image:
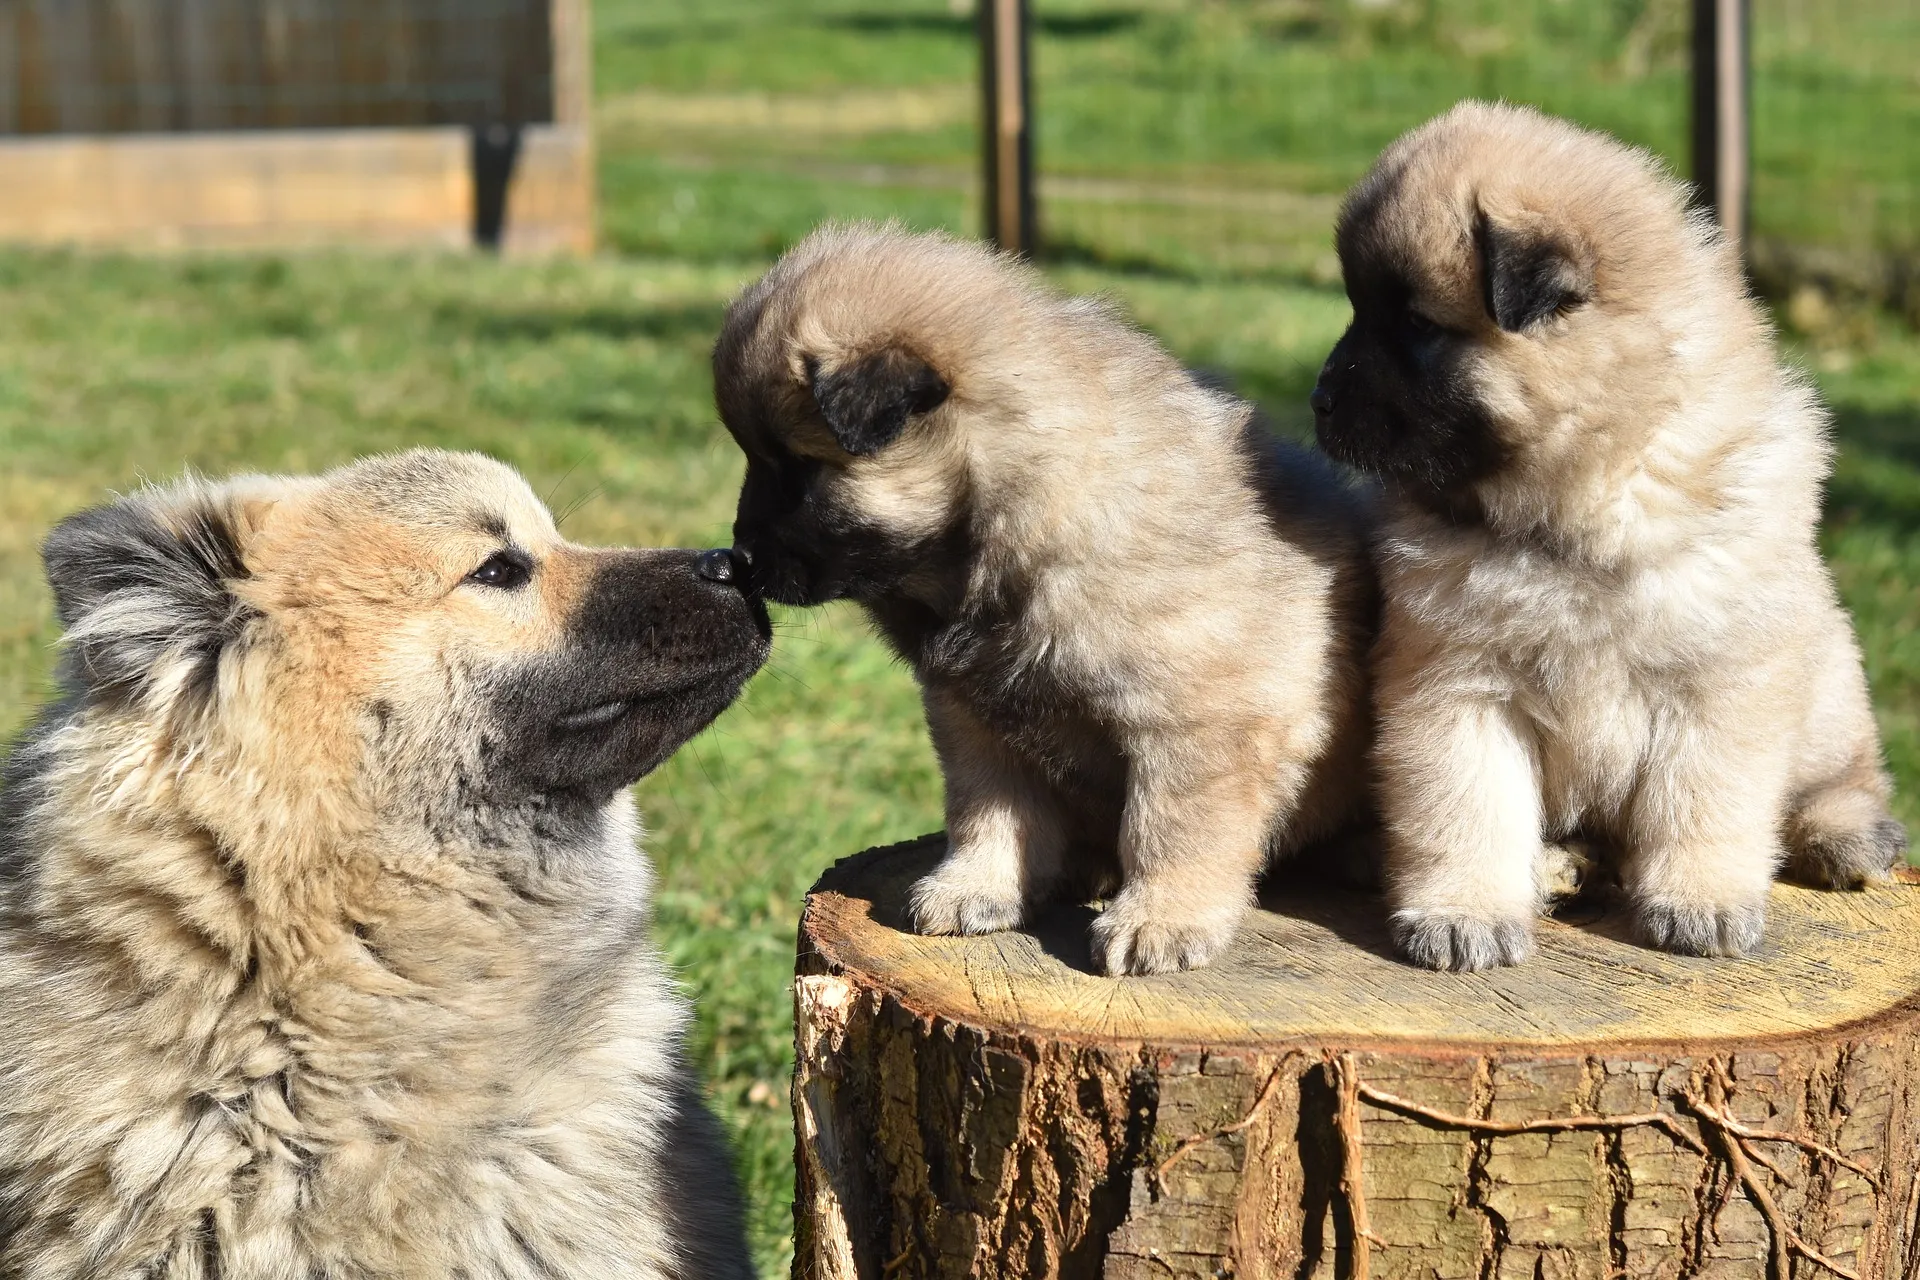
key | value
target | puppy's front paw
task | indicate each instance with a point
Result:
(1136, 934)
(1701, 928)
(951, 900)
(1459, 941)
(1850, 859)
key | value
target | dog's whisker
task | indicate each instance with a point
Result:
(574, 506)
(554, 488)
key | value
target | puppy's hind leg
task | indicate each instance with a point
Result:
(1838, 831)
(1840, 835)
(700, 1200)
(1006, 833)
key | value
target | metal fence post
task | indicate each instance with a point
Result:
(1720, 112)
(1007, 125)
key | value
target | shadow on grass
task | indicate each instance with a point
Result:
(1066, 26)
(652, 35)
(1877, 481)
(677, 322)
(1061, 250)
(1891, 433)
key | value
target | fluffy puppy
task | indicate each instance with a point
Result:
(323, 931)
(1605, 613)
(1138, 621)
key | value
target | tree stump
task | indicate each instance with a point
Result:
(1310, 1107)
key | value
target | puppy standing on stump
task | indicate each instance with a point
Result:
(1137, 619)
(323, 930)
(1606, 615)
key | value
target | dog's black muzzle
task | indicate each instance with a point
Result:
(770, 571)
(660, 644)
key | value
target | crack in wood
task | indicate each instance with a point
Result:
(1913, 1227)
(1730, 1135)
(1253, 1113)
(1346, 1118)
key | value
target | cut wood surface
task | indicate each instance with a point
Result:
(1309, 1106)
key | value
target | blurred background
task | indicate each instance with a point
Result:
(315, 174)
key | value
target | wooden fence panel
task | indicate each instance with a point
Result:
(141, 66)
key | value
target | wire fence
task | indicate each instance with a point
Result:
(124, 66)
(1836, 147)
(1214, 137)
(1206, 137)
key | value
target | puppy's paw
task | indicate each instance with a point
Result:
(1459, 941)
(950, 900)
(1701, 928)
(1849, 859)
(1567, 869)
(1136, 934)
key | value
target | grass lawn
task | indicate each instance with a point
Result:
(592, 377)
(1213, 135)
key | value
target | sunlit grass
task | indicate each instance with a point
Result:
(593, 377)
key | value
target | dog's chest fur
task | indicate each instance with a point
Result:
(1022, 688)
(465, 1088)
(1592, 659)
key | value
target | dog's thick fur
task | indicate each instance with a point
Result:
(1138, 621)
(1605, 611)
(324, 944)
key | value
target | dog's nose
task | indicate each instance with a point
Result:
(1321, 400)
(716, 565)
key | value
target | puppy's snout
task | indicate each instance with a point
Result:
(720, 565)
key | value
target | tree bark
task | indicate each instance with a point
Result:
(1309, 1107)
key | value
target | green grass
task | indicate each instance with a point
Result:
(592, 377)
(1229, 97)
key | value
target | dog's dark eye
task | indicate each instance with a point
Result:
(1421, 327)
(503, 569)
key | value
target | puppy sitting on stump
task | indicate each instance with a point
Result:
(1138, 620)
(1605, 613)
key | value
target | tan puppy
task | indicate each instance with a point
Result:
(1137, 619)
(1605, 612)
(323, 932)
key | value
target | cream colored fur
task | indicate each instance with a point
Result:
(1129, 598)
(1633, 635)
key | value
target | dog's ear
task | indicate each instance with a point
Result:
(1527, 274)
(867, 401)
(142, 587)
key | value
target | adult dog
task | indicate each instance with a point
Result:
(323, 932)
(1139, 621)
(1605, 613)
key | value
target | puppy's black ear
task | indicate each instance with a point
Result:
(1526, 274)
(867, 402)
(141, 587)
